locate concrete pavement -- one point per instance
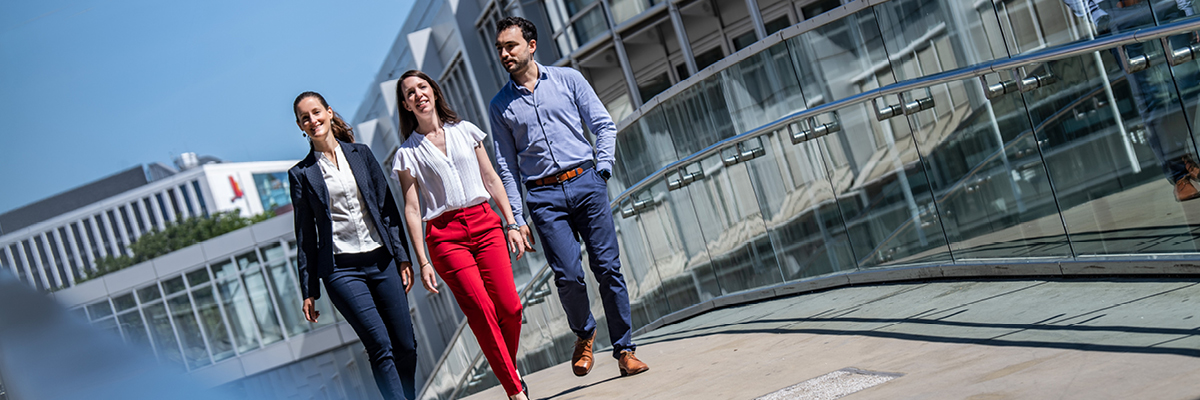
(978, 339)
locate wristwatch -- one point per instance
(604, 173)
(513, 227)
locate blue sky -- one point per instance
(89, 88)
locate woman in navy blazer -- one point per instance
(348, 234)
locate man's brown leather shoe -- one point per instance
(1185, 190)
(581, 360)
(630, 365)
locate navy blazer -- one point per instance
(314, 226)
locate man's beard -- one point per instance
(518, 65)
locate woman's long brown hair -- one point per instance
(341, 130)
(408, 120)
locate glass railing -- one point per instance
(905, 133)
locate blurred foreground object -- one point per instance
(48, 354)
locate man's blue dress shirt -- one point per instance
(541, 132)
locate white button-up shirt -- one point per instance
(447, 181)
(353, 230)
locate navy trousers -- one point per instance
(580, 206)
(367, 290)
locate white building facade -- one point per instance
(58, 252)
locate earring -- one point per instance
(303, 134)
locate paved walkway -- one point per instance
(999, 339)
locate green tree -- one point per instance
(175, 236)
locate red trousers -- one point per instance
(469, 251)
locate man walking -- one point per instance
(537, 122)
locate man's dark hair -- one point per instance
(528, 31)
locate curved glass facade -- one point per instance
(221, 309)
(779, 164)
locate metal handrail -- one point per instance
(1056, 53)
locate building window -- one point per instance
(274, 192)
(150, 211)
(128, 225)
(162, 206)
(286, 293)
(175, 204)
(187, 201)
(575, 22)
(819, 7)
(47, 266)
(200, 197)
(744, 40)
(487, 36)
(70, 264)
(31, 263)
(91, 236)
(458, 88)
(56, 251)
(10, 262)
(81, 246)
(654, 86)
(214, 312)
(702, 60)
(777, 25)
(138, 217)
(115, 227)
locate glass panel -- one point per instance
(698, 117)
(108, 325)
(799, 207)
(134, 329)
(839, 59)
(149, 293)
(589, 26)
(264, 309)
(239, 314)
(680, 251)
(623, 10)
(163, 334)
(646, 300)
(189, 331)
(100, 309)
(924, 37)
(1116, 144)
(224, 269)
(884, 197)
(214, 324)
(247, 261)
(197, 277)
(286, 295)
(174, 285)
(642, 148)
(733, 227)
(124, 302)
(762, 88)
(992, 192)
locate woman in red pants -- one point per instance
(447, 179)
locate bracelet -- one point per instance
(429, 263)
(513, 227)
